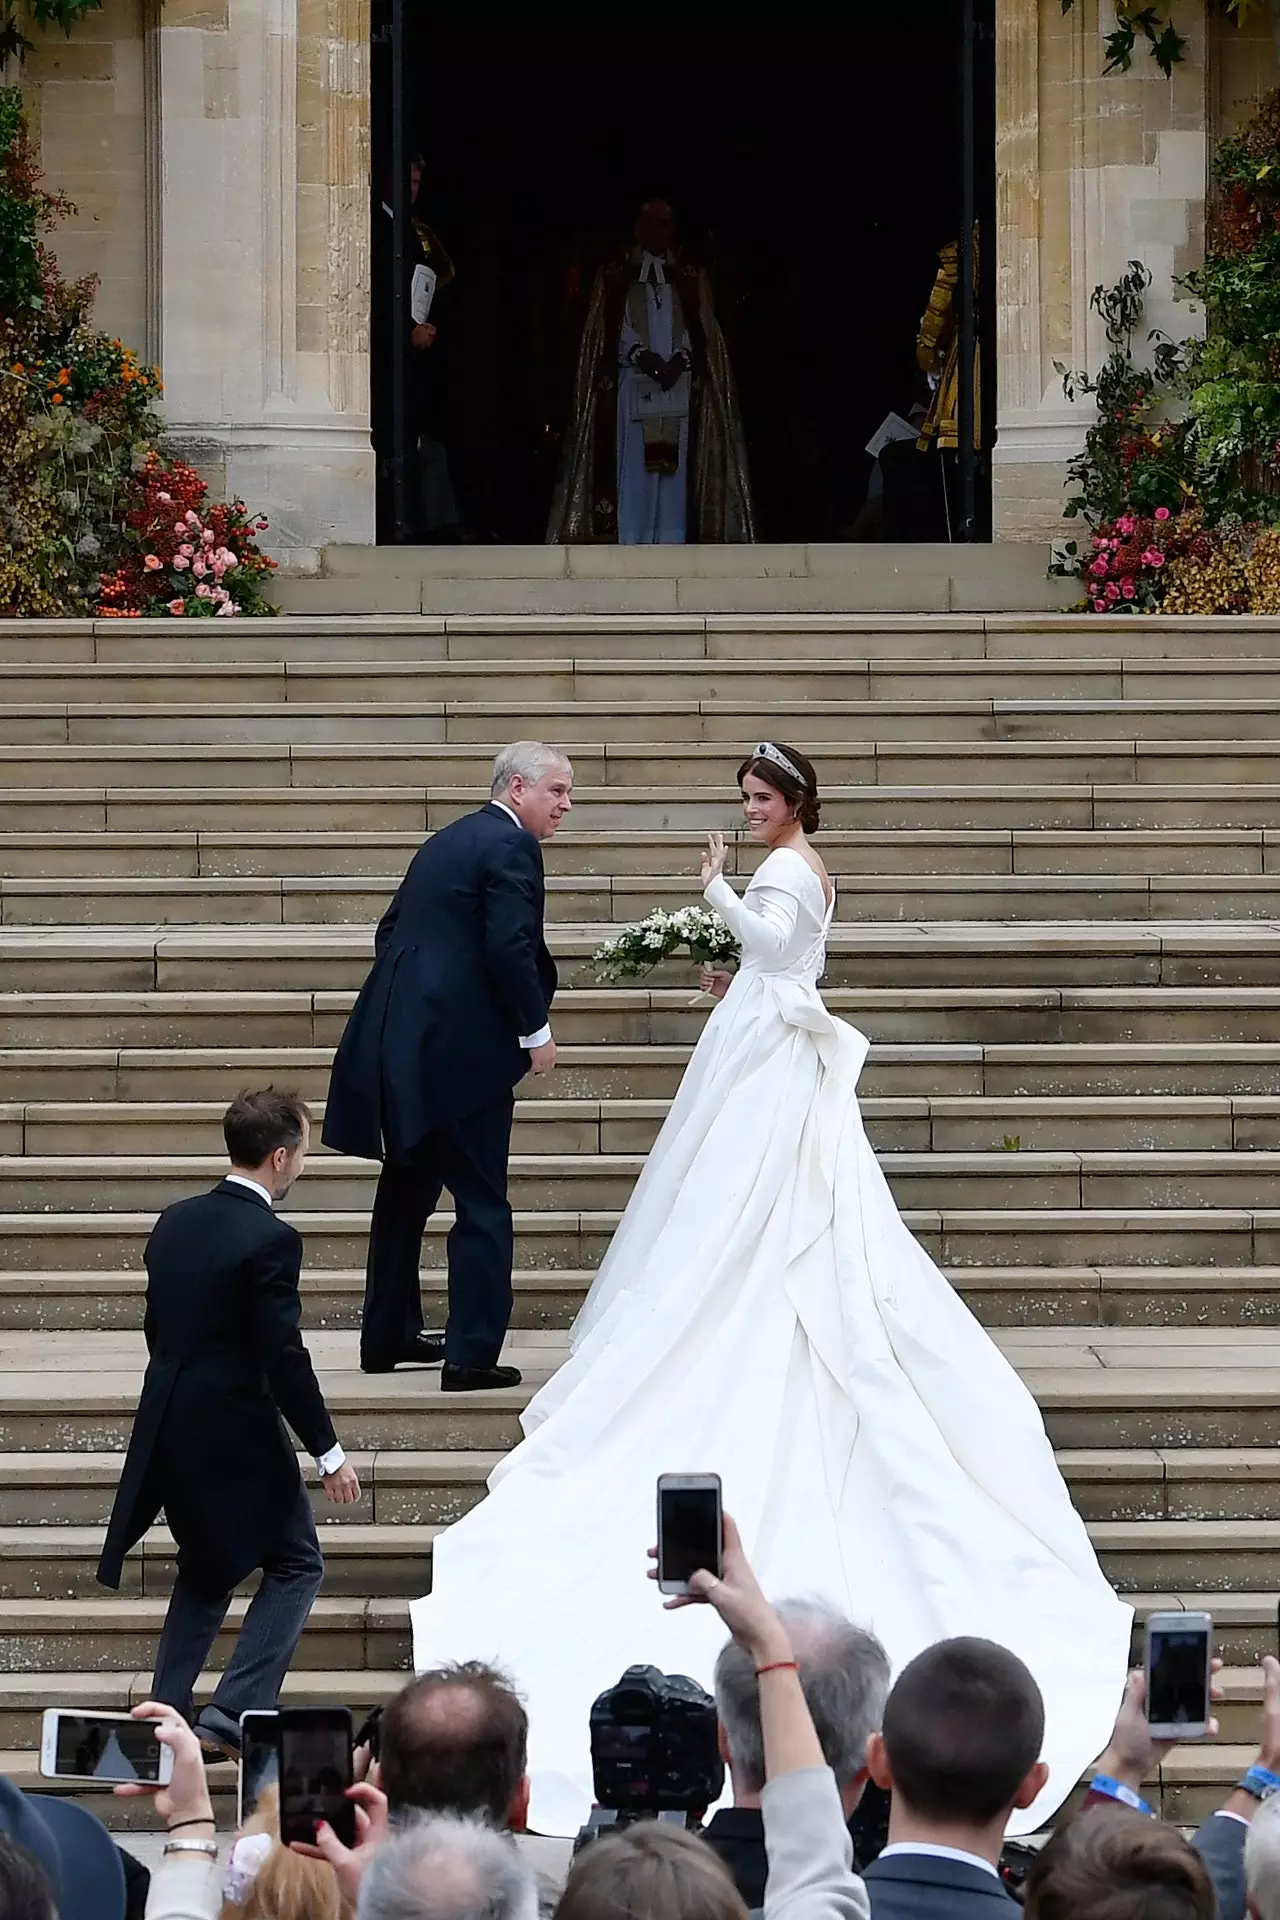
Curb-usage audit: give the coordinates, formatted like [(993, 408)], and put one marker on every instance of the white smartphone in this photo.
[(108, 1747), (259, 1761), (690, 1528), (1179, 1664)]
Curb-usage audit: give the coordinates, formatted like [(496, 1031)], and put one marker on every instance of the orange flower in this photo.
[(152, 563), (18, 367), (57, 399)]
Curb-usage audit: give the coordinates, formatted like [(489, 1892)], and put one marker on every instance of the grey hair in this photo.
[(440, 1866), (527, 759), (1262, 1861), (844, 1673)]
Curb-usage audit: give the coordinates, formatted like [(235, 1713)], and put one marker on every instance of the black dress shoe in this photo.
[(476, 1379), (426, 1351)]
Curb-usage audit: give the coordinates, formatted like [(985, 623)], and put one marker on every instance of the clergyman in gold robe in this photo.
[(654, 453)]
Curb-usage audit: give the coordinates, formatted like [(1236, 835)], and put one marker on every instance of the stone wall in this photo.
[(85, 99)]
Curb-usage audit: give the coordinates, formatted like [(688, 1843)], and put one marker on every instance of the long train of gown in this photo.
[(764, 1313)]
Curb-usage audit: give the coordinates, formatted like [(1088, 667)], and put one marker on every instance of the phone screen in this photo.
[(688, 1531), (314, 1745), (1177, 1677), (94, 1747), (259, 1761)]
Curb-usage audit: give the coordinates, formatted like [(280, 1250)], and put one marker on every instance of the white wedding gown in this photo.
[(764, 1313)]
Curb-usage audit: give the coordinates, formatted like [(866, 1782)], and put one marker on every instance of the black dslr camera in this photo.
[(654, 1750)]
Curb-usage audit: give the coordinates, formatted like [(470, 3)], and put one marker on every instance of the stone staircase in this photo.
[(1056, 859)]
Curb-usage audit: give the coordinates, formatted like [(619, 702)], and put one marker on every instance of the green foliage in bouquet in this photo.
[(636, 951)]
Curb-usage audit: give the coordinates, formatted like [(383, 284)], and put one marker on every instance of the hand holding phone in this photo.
[(108, 1748), (690, 1529), (314, 1746), (1179, 1664)]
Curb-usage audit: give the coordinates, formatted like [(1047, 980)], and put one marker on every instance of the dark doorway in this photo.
[(817, 176)]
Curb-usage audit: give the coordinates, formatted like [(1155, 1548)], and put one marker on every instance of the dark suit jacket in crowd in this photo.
[(461, 971), (737, 1835), (1220, 1844), (917, 1886), (226, 1361)]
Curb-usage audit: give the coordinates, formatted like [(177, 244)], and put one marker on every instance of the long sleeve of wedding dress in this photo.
[(763, 1312)]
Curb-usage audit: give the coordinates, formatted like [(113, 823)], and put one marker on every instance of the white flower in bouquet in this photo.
[(637, 949)]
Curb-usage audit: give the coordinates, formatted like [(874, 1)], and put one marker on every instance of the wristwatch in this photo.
[(209, 1848), (1259, 1781)]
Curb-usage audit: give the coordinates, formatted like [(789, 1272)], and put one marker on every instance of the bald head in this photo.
[(655, 228), (454, 1741)]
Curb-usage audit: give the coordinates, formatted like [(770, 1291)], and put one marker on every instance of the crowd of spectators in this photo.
[(808, 1724)]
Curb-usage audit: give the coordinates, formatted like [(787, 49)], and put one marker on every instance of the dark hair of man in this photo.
[(649, 1872), (963, 1727), (455, 1740), (255, 1124), (1114, 1864), (25, 1892)]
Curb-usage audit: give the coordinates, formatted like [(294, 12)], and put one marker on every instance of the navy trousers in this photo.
[(469, 1157)]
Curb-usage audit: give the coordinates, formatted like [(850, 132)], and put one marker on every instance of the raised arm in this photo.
[(763, 921)]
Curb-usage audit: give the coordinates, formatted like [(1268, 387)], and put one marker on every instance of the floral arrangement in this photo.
[(78, 430), (637, 950), (185, 558)]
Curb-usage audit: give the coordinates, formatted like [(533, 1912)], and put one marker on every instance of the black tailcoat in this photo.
[(461, 971), (226, 1361)]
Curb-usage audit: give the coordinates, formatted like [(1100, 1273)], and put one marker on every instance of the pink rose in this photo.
[(177, 606), (186, 548), (180, 526), (1127, 589), (1113, 591), (1125, 524), (1153, 557), (165, 499), (1162, 513), (180, 563), (207, 536), (192, 519), (199, 569), (203, 592), (152, 563), (228, 606), (1099, 567)]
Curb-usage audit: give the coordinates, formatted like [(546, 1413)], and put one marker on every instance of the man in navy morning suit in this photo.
[(453, 1014)]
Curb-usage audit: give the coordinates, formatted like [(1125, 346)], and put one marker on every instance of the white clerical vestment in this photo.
[(652, 506)]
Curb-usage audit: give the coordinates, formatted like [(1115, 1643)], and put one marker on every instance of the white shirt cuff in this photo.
[(538, 1039), (328, 1463)]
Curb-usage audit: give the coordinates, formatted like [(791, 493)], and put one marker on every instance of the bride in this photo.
[(763, 1313)]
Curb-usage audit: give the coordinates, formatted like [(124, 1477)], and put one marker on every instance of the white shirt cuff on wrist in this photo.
[(538, 1039), (328, 1463)]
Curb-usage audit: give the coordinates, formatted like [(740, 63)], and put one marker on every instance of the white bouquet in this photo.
[(637, 949)]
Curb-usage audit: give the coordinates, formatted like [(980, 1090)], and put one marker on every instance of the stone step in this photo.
[(897, 763), (618, 899), (1120, 1070), (882, 634), (51, 1489), (547, 1297), (919, 1124), (1129, 1387), (848, 856), (301, 809), (596, 1181), (302, 956), (1235, 1237), (608, 1017)]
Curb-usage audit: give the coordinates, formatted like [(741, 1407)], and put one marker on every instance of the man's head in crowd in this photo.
[(960, 1745), (649, 1872), (455, 1741), (267, 1135), (1111, 1863), (844, 1672), (1262, 1861), (441, 1867)]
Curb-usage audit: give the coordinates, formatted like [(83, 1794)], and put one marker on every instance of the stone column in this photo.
[(1092, 172), (260, 131)]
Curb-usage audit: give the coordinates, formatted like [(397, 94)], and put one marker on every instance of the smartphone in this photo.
[(314, 1748), (690, 1528), (259, 1761), (1179, 1663), (109, 1747)]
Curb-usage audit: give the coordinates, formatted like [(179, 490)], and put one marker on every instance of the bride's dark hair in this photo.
[(801, 793)]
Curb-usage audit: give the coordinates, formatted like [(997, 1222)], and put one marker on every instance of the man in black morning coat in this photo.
[(226, 1360), (452, 1015)]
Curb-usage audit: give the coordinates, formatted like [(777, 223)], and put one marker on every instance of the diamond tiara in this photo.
[(765, 750)]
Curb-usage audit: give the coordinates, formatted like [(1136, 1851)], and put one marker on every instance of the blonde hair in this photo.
[(287, 1886)]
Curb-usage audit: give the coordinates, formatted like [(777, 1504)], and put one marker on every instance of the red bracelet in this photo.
[(779, 1666)]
